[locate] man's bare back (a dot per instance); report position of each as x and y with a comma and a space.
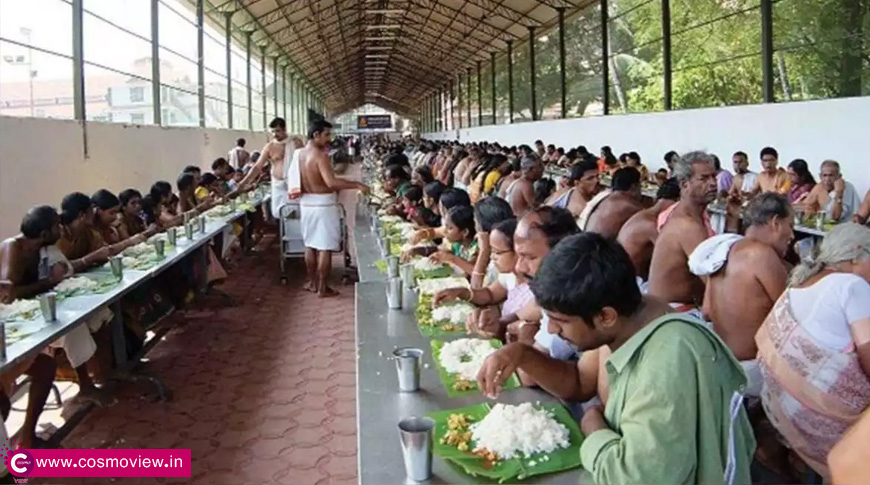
519, 195
311, 161
608, 218
638, 236
750, 264
669, 276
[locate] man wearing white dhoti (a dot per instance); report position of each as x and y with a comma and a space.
279, 151
311, 176
238, 156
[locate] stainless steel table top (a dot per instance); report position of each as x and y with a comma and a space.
367, 251
74, 311
380, 405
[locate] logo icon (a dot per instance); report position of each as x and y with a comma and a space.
19, 462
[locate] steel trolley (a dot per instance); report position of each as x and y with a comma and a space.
292, 245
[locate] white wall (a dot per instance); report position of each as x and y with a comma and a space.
836, 129
41, 160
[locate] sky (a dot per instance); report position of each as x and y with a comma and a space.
50, 26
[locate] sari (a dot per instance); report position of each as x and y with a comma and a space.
812, 394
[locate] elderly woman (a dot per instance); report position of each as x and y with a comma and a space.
814, 347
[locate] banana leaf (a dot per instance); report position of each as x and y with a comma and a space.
381, 265
516, 468
427, 326
442, 272
104, 285
449, 380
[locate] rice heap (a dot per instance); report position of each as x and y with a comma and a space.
75, 283
138, 250
434, 285
18, 308
510, 430
424, 264
455, 314
465, 356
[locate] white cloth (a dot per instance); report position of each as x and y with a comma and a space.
828, 308
642, 285
559, 348
851, 202
235, 157
693, 312
280, 197
320, 221
710, 256
48, 257
78, 345
754, 379
749, 179
583, 218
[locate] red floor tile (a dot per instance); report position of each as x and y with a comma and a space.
261, 391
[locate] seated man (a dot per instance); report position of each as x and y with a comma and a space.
670, 380
582, 185
681, 228
31, 264
224, 173
638, 235
521, 193
772, 178
607, 215
749, 270
863, 212
744, 179
833, 194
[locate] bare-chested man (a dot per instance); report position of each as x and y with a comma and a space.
624, 201
320, 214
772, 178
276, 153
681, 228
638, 235
521, 193
582, 187
749, 270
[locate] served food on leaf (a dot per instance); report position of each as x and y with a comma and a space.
19, 310
459, 361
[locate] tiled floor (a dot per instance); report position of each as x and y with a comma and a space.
263, 392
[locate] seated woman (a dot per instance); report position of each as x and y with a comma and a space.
209, 185
460, 234
802, 181
422, 176
107, 221
814, 347
412, 202
131, 222
449, 199
487, 212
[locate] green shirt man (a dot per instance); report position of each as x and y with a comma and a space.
675, 410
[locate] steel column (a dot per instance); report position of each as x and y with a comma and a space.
78, 48
605, 55
275, 85
479, 97
200, 60
284, 93
468, 93
156, 111
532, 74
510, 58
492, 82
228, 36
263, 85
666, 54
290, 122
250, 93
562, 73
767, 51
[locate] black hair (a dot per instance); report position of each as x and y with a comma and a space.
149, 205
669, 190
623, 157
453, 197
670, 155
463, 218
543, 187
184, 182
539, 142
434, 190
582, 150
560, 151
765, 207
490, 210
317, 127
740, 154
580, 168
507, 227
584, 274
607, 150
160, 189
551, 147
127, 195
74, 205
414, 194
192, 169
624, 179
38, 220
207, 179
634, 156
278, 123
104, 200
429, 218
425, 173
399, 159
396, 171
240, 142
802, 170
769, 151
556, 223
716, 163
218, 163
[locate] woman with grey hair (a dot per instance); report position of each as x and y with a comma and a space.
814, 347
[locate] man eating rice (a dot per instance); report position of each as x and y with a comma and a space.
674, 413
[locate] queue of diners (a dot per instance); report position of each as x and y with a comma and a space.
683, 350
